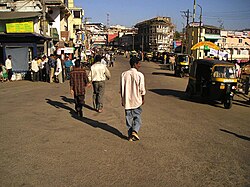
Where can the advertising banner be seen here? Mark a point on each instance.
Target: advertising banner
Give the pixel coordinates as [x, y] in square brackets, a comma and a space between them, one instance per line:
[20, 27]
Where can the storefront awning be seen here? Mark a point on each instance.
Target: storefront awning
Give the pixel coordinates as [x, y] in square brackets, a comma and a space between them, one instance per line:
[18, 15]
[23, 37]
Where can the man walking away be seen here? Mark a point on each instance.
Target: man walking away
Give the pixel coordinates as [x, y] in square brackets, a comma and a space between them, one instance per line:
[78, 82]
[8, 65]
[52, 65]
[97, 75]
[132, 89]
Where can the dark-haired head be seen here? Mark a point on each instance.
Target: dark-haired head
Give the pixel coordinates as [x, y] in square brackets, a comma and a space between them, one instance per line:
[98, 58]
[77, 63]
[134, 61]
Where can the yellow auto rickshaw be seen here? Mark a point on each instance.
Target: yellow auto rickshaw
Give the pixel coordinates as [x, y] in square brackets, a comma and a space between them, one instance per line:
[213, 80]
[181, 67]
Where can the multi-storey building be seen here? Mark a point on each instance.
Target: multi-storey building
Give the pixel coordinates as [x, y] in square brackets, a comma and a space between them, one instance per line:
[21, 34]
[198, 33]
[155, 34]
[236, 44]
[75, 23]
[95, 35]
[30, 28]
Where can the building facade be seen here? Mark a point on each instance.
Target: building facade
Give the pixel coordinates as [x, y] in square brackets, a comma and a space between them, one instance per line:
[155, 34]
[197, 33]
[236, 44]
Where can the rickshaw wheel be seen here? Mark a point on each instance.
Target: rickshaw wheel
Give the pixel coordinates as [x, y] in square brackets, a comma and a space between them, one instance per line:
[228, 104]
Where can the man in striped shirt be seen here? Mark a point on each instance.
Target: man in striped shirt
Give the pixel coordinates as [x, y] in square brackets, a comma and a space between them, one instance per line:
[78, 83]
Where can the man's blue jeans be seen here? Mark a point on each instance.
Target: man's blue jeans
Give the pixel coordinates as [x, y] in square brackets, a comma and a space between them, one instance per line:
[133, 119]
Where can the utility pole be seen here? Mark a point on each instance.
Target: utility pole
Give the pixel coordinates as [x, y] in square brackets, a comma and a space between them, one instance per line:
[44, 26]
[186, 15]
[199, 39]
[192, 39]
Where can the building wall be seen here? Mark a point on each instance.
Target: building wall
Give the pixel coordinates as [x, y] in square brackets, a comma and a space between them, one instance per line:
[155, 34]
[236, 44]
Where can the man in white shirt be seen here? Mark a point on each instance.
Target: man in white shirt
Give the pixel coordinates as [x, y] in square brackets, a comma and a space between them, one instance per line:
[8, 65]
[132, 89]
[59, 69]
[97, 75]
[35, 69]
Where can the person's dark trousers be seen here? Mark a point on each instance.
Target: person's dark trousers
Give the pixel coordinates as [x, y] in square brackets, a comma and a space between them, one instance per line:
[67, 69]
[99, 87]
[10, 73]
[44, 75]
[40, 74]
[79, 102]
[35, 76]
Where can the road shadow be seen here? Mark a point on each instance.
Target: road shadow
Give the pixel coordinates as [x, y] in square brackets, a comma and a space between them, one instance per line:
[164, 66]
[182, 96]
[245, 100]
[72, 101]
[237, 135]
[164, 74]
[88, 121]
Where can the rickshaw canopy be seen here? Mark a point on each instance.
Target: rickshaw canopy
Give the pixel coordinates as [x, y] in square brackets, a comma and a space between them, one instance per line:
[207, 43]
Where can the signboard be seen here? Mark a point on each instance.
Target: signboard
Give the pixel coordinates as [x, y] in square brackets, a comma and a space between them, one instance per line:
[20, 27]
[212, 31]
[195, 24]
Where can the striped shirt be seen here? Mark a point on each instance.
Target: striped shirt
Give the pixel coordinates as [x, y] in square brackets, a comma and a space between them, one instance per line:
[78, 81]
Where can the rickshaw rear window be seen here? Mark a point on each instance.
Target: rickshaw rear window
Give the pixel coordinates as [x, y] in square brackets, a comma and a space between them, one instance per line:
[182, 58]
[224, 72]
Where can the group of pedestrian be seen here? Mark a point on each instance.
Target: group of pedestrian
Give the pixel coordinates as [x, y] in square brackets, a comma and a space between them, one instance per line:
[132, 90]
[50, 69]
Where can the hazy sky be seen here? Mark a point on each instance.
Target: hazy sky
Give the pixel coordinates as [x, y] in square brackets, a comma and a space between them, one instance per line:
[233, 14]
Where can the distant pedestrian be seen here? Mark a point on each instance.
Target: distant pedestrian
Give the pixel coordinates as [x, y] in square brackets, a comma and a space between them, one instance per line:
[97, 75]
[59, 70]
[8, 65]
[132, 90]
[35, 69]
[172, 62]
[78, 83]
[68, 67]
[3, 73]
[112, 60]
[52, 65]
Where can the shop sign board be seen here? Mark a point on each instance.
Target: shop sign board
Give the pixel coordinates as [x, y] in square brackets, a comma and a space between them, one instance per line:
[212, 31]
[20, 27]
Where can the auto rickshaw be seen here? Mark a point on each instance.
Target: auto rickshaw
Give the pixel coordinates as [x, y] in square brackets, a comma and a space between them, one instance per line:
[213, 80]
[181, 68]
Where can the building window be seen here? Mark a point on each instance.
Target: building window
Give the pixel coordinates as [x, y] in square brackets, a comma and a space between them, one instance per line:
[240, 40]
[77, 14]
[238, 52]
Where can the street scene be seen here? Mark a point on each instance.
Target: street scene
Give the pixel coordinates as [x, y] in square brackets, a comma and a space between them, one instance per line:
[183, 142]
[107, 93]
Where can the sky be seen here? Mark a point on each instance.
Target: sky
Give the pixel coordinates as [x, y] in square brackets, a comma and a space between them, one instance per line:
[230, 14]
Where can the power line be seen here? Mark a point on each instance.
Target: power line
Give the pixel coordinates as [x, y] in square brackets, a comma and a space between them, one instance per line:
[238, 11]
